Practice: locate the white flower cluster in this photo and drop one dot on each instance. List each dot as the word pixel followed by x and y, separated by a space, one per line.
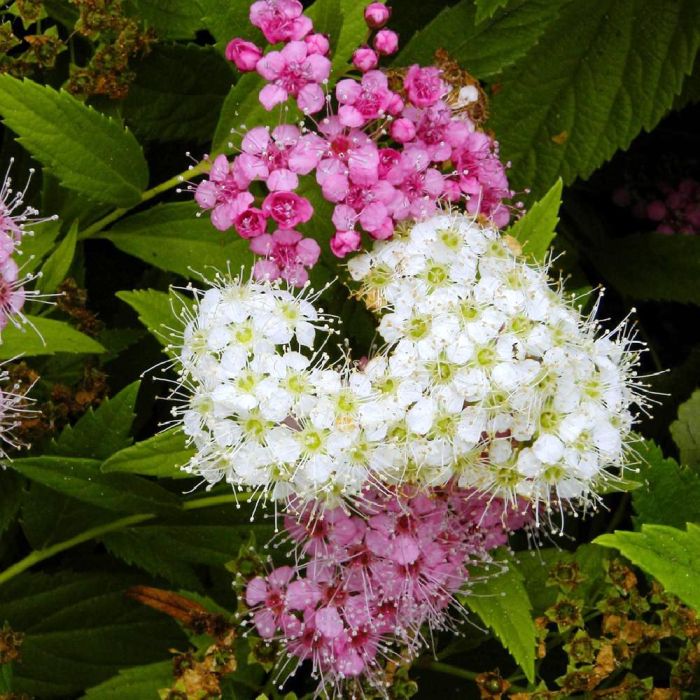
pixel 488 378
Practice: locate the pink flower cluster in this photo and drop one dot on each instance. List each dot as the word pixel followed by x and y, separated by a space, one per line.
pixel 379 156
pixel 13 216
pixel 373 579
pixel 676 210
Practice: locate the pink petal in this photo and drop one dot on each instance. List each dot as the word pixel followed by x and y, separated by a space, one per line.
pixel 308 251
pixel 282 180
pixel 266 270
pixel 350 116
pixel 286 135
pixel 328 622
pixel 311 98
pixel 266 623
pixel 281 576
pixel 271 65
pixel 347 91
pixel 302 595
pixel 319 67
pixel 256 591
pixel 272 95
pixel 262 244
pixel 256 141
pixel 335 188
pixel 252 167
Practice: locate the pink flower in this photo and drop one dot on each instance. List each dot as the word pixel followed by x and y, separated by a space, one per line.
pixel 287 209
pixel 386 42
pixel 377 15
pixel 12 293
pixel 364 101
pixel 225 193
pixel 365 59
pixel 244 54
pixel 344 242
pixel 270 594
pixel 295 72
pixel 280 20
pixel 288 255
pixel 317 43
pixel 250 223
pixel 277 158
pixel 424 85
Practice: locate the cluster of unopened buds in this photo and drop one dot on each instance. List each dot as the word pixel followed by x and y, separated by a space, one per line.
pixel 367 584
pixel 671 210
pixel 383 151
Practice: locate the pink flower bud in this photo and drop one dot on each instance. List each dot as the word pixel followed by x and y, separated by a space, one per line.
pixel 403 130
pixel 377 15
pixel 656 210
pixel 344 242
pixel 365 59
pixel 386 42
pixel 317 43
pixel 244 54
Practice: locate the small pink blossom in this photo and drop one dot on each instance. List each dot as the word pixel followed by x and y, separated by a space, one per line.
pixel 377 15
pixel 361 102
pixel 403 130
pixel 288 255
pixel 287 209
pixel 280 20
pixel 244 54
pixel 12 293
pixel 225 193
pixel 386 42
pixel 294 72
pixel 424 85
pixel 365 59
pixel 250 223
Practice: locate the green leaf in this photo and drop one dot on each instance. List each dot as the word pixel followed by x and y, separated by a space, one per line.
pixel 205 537
pixel 58 263
pixel 485 48
pixel 44 336
pixel 172 19
pixel 640 266
pixel 686 431
pixel 81 629
pixel 10 492
pixel 502 602
pixel 572 101
pixel 537 228
pixel 162 455
pixel 353 30
pixel 177 93
pixel 48 517
pixel 136 683
pixel 157 311
pixel 84 149
pixel 485 9
pixel 658 501
pixel 37 244
pixel 172 237
pixel 226 19
pixel 670 555
pixel 328 16
pixel 102 432
pixel 81 479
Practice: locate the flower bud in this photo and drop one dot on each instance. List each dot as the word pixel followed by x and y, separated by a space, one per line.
pixel 386 42
pixel 317 43
pixel 365 59
pixel 344 242
pixel 403 130
pixel 377 15
pixel 244 54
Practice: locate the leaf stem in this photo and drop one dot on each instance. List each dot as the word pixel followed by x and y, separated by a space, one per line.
pixel 40 555
pixel 147 195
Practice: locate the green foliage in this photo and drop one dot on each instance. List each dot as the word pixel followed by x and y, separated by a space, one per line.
pixel 80 629
pixel 567 106
pixel 172 237
pixel 85 150
pixel 171 19
pixel 10 489
pixel 537 228
pixel 686 431
pixel 484 48
pixel 485 9
pixel 56 267
pixel 501 600
pixel 162 455
pixel 668 554
pixel 100 432
pixel 81 478
pixel 45 336
pixel 136 683
pixel 177 93
pixel 658 501
pixel 155 310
